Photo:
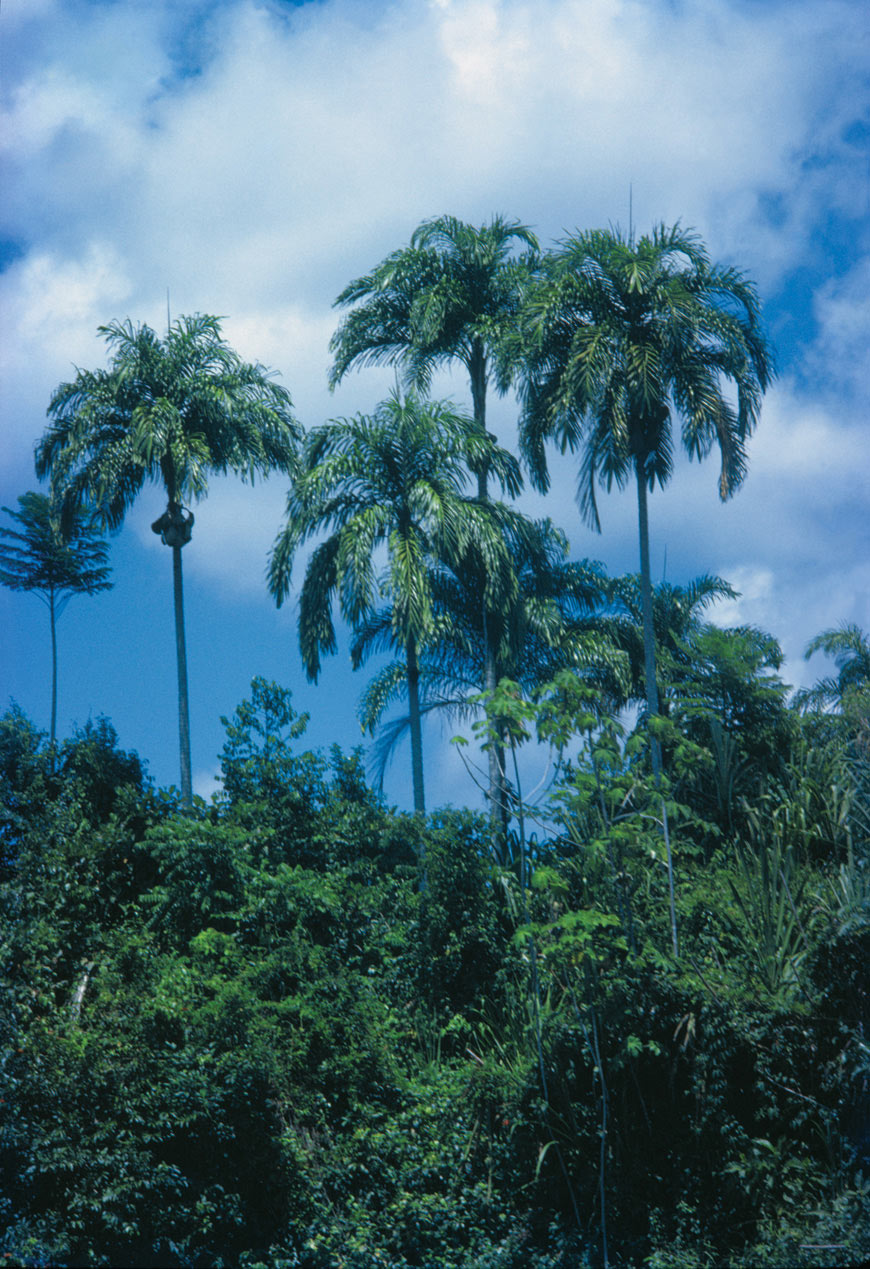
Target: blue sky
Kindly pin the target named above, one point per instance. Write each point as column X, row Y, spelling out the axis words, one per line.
column 253, row 157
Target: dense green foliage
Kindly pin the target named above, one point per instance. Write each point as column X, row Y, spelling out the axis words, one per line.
column 256, row 1033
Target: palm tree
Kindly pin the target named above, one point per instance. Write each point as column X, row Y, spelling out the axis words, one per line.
column 849, row 647
column 453, row 295
column 540, row 626
column 676, row 617
column 171, row 411
column 37, row 558
column 621, row 338
column 394, row 479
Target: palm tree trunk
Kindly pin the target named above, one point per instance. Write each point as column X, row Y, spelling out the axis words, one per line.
column 496, row 759
column 652, row 691
column 649, row 641
column 52, row 616
column 416, row 727
column 181, row 659
column 477, row 371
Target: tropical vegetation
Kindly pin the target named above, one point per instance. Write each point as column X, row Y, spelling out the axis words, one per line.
column 622, row 1018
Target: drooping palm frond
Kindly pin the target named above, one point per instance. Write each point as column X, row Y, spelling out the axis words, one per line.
column 618, row 336
column 452, row 294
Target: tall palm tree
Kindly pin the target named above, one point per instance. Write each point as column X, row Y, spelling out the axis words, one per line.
column 170, row 411
column 37, row 558
column 453, row 295
column 622, row 338
column 393, row 480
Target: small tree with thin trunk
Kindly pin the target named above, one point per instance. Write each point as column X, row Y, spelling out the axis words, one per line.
column 38, row 558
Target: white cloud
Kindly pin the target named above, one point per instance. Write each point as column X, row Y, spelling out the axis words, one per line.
column 207, row 782
column 840, row 358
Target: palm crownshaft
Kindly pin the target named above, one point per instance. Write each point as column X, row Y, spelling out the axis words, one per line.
column 170, row 411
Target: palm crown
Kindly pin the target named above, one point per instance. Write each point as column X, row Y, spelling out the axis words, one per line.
column 395, row 479
column 450, row 295
column 621, row 337
column 849, row 647
column 169, row 410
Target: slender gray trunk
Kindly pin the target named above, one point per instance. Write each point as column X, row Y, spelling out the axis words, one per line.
column 52, row 616
column 496, row 757
column 477, row 371
column 416, row 727
column 649, row 641
column 651, row 687
column 181, row 659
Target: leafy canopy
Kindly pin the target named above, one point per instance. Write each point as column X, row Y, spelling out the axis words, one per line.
column 394, row 479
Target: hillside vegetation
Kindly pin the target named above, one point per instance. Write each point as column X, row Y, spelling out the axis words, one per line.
column 293, row 1027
